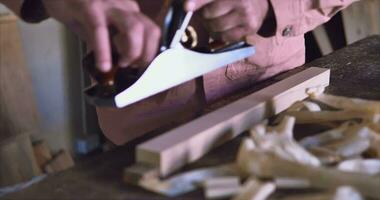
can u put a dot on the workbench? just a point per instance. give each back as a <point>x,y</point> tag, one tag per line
<point>355,72</point>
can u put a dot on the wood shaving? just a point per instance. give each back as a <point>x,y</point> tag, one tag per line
<point>280,141</point>
<point>321,161</point>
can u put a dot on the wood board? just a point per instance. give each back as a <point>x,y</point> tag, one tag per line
<point>361,20</point>
<point>323,40</point>
<point>42,153</point>
<point>61,161</point>
<point>17,161</point>
<point>185,144</point>
<point>18,110</point>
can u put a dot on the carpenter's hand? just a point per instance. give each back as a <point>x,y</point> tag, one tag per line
<point>231,20</point>
<point>137,37</point>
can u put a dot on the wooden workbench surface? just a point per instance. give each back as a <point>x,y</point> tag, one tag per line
<point>355,72</point>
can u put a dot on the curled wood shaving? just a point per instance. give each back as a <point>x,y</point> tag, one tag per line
<point>291,183</point>
<point>186,182</point>
<point>345,103</point>
<point>254,189</point>
<point>221,187</point>
<point>304,105</point>
<point>347,193</point>
<point>271,152</point>
<point>246,147</point>
<point>299,106</point>
<point>315,91</point>
<point>347,141</point>
<point>325,156</point>
<point>367,166</point>
<point>268,165</point>
<point>308,117</point>
<point>348,109</point>
<point>280,140</point>
<point>327,136</point>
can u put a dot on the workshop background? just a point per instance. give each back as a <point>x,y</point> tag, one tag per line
<point>53,59</point>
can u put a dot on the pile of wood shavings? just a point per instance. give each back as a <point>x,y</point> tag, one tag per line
<point>342,162</point>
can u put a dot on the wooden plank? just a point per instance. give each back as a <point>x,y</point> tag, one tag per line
<point>221,187</point>
<point>191,141</point>
<point>60,162</point>
<point>323,40</point>
<point>7,17</point>
<point>18,110</point>
<point>17,162</point>
<point>361,20</point>
<point>138,172</point>
<point>42,153</point>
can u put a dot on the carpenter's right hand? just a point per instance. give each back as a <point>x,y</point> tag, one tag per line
<point>137,37</point>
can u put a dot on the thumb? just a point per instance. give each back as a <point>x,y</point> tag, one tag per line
<point>194,5</point>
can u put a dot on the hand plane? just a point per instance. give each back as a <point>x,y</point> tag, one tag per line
<point>174,65</point>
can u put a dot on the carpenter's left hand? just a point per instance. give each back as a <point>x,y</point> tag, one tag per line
<point>231,20</point>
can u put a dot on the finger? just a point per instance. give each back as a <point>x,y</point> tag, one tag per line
<point>234,35</point>
<point>225,22</point>
<point>218,8</point>
<point>96,28</point>
<point>131,31</point>
<point>194,5</point>
<point>152,36</point>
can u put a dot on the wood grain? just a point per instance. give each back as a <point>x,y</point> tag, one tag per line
<point>18,112</point>
<point>191,141</point>
<point>361,20</point>
<point>42,153</point>
<point>17,162</point>
<point>61,161</point>
<point>323,40</point>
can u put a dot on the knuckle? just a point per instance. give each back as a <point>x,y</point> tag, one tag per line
<point>243,11</point>
<point>155,31</point>
<point>250,26</point>
<point>134,50</point>
<point>95,23</point>
<point>135,26</point>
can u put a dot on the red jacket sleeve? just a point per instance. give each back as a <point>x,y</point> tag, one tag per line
<point>296,17</point>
